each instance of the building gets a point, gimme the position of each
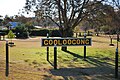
(13, 24)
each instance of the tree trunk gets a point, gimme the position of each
(118, 37)
(79, 33)
(76, 34)
(66, 33)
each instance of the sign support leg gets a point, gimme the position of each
(84, 52)
(47, 49)
(55, 57)
(47, 53)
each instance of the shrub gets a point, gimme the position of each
(11, 35)
(43, 32)
(4, 32)
(21, 31)
(39, 32)
(55, 33)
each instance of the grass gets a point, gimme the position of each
(28, 61)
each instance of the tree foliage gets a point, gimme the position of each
(1, 20)
(69, 13)
(6, 20)
(106, 17)
(11, 35)
(21, 31)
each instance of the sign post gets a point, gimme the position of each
(85, 47)
(47, 49)
(7, 59)
(55, 57)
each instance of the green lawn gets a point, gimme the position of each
(28, 61)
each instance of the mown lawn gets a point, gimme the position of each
(28, 61)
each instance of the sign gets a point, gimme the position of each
(66, 42)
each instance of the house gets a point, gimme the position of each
(13, 24)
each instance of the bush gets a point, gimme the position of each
(11, 35)
(56, 33)
(39, 32)
(21, 31)
(4, 32)
(43, 32)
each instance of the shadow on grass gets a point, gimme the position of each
(101, 71)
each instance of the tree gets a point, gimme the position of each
(109, 20)
(11, 35)
(29, 26)
(6, 21)
(115, 7)
(68, 12)
(96, 18)
(116, 3)
(1, 20)
(112, 20)
(21, 31)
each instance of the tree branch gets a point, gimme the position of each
(79, 15)
(53, 21)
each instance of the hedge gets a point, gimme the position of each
(43, 32)
(4, 32)
(38, 32)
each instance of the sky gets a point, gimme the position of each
(12, 7)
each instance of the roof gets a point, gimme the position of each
(38, 26)
(13, 24)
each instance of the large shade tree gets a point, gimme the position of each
(69, 13)
(106, 18)
(95, 17)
